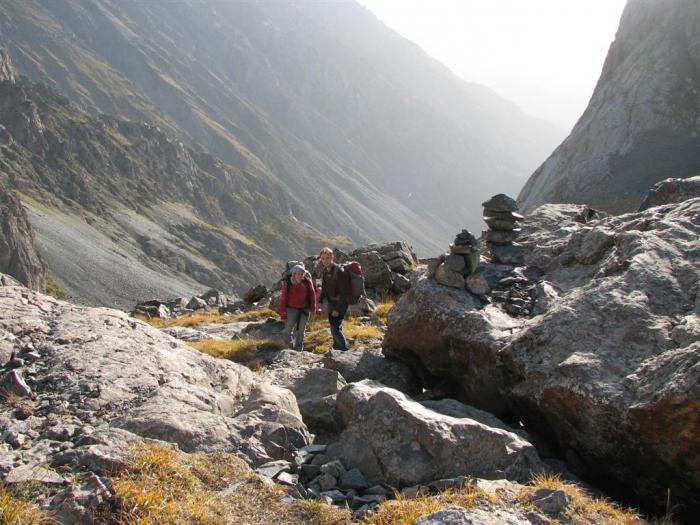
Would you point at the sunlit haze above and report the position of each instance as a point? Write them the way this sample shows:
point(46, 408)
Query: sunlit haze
point(544, 55)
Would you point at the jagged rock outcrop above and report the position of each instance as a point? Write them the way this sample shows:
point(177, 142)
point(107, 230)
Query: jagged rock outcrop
point(90, 384)
point(642, 123)
point(606, 369)
point(18, 254)
point(671, 190)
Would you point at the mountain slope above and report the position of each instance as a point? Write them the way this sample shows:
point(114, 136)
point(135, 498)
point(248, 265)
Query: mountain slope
point(276, 89)
point(124, 212)
point(642, 124)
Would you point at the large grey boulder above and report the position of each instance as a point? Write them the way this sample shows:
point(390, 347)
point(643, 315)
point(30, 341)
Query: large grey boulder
point(315, 387)
point(378, 275)
point(398, 255)
point(609, 366)
point(444, 330)
point(401, 443)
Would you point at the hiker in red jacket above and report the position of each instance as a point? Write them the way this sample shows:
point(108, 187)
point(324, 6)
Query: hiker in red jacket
point(297, 304)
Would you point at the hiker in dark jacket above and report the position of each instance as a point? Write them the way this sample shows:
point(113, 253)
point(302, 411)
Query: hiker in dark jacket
point(297, 304)
point(335, 290)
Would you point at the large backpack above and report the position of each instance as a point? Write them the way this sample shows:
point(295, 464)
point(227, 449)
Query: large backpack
point(287, 273)
point(356, 281)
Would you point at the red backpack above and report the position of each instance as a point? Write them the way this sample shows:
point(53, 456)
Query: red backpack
point(356, 281)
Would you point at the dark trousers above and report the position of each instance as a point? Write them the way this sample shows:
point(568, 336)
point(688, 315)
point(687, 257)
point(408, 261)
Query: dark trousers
point(339, 342)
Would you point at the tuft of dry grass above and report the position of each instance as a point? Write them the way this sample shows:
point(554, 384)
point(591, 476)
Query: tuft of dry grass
point(244, 351)
point(15, 510)
point(381, 314)
point(164, 486)
point(584, 508)
point(209, 317)
point(318, 335)
point(405, 511)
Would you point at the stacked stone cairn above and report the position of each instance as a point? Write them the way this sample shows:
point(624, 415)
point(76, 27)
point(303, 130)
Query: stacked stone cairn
point(501, 217)
point(458, 268)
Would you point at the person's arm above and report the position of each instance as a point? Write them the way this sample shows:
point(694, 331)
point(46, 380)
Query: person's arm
point(312, 298)
point(322, 295)
point(283, 301)
point(343, 284)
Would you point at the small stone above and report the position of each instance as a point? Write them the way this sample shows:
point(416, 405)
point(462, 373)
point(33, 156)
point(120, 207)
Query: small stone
point(310, 471)
point(550, 501)
point(334, 495)
point(508, 254)
point(285, 478)
point(456, 263)
point(501, 202)
point(38, 473)
point(447, 277)
point(13, 382)
point(326, 481)
point(503, 215)
point(334, 468)
point(353, 479)
point(502, 237)
point(314, 449)
point(273, 468)
point(477, 284)
point(501, 224)
point(377, 490)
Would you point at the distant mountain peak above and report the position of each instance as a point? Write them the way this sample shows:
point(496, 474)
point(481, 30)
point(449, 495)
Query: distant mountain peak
point(642, 123)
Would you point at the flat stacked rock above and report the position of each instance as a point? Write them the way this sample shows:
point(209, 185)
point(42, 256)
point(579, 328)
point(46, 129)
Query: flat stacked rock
point(454, 268)
point(501, 217)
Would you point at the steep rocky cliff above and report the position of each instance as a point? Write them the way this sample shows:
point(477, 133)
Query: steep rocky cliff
point(642, 124)
point(18, 255)
point(361, 128)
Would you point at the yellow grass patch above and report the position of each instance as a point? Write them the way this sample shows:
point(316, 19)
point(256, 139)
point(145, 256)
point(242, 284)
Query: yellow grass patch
point(209, 317)
point(15, 510)
point(382, 311)
point(584, 508)
point(318, 335)
point(406, 511)
point(242, 351)
point(163, 486)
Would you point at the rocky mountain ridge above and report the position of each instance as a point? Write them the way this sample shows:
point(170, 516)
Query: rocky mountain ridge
point(641, 124)
point(155, 216)
point(290, 93)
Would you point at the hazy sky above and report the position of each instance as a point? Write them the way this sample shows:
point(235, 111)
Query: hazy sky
point(545, 55)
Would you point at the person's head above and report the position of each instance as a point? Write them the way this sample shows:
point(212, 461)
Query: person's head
point(326, 257)
point(298, 273)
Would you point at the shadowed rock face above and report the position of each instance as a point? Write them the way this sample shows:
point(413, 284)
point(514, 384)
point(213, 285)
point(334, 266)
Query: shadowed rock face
point(18, 255)
point(609, 369)
point(642, 123)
